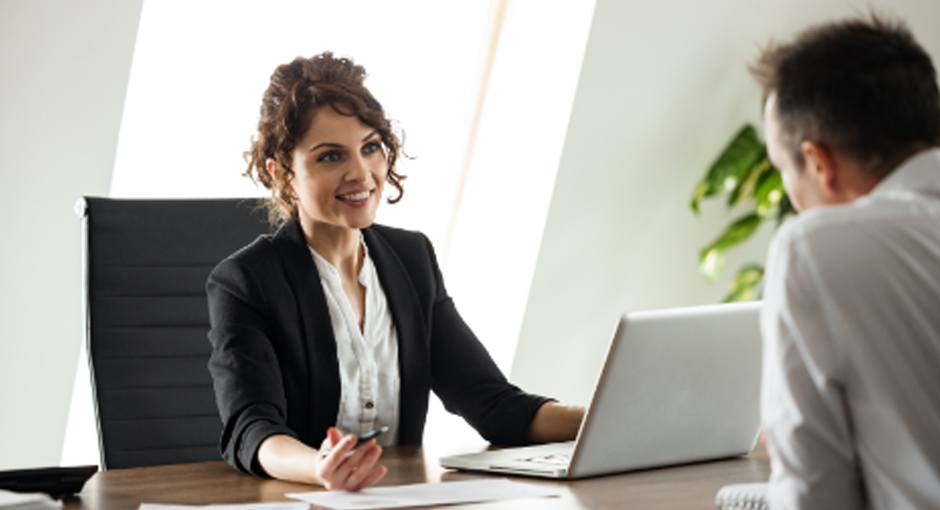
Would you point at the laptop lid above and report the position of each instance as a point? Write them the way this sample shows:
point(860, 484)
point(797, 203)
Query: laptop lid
point(678, 385)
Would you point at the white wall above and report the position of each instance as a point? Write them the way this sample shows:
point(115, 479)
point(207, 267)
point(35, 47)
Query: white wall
point(663, 87)
point(63, 74)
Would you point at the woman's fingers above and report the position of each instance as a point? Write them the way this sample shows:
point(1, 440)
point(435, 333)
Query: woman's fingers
point(374, 476)
point(346, 466)
point(334, 435)
point(364, 467)
point(354, 461)
point(335, 456)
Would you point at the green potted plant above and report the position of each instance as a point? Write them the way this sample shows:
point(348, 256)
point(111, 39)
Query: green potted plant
point(744, 176)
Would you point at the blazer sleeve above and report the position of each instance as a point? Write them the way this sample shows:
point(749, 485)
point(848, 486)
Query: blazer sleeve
point(245, 371)
point(467, 380)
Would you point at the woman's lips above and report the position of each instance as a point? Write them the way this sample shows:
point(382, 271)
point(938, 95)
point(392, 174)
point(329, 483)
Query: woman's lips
point(356, 198)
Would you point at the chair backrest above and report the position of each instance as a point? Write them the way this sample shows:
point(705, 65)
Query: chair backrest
point(146, 264)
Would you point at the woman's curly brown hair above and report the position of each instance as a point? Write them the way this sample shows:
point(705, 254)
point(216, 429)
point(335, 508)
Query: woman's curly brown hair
point(296, 91)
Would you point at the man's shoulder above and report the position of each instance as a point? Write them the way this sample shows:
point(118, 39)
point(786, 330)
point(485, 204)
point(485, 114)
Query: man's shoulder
point(849, 243)
point(818, 241)
point(811, 226)
point(831, 226)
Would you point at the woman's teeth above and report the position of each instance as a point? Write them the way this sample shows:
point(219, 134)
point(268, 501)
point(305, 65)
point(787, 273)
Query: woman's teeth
point(355, 197)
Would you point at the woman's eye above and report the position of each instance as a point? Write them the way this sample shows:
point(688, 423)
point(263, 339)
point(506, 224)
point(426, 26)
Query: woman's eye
point(329, 157)
point(371, 147)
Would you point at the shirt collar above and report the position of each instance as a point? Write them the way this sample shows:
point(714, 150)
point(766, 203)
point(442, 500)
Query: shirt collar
point(918, 174)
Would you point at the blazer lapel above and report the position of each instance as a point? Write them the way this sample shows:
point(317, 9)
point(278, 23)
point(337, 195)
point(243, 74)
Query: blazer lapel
point(410, 323)
point(320, 344)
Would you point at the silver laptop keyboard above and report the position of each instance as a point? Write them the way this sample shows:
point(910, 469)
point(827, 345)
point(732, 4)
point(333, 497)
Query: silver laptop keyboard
point(552, 459)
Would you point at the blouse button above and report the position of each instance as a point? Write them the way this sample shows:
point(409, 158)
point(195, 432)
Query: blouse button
point(370, 404)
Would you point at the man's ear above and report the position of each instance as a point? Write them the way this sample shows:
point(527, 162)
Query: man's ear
point(822, 166)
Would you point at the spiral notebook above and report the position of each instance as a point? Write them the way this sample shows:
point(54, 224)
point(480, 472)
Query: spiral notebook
point(742, 496)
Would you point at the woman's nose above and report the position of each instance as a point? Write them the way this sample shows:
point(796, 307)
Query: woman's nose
point(359, 170)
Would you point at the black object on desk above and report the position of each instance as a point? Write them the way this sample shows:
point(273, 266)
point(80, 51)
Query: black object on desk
point(58, 482)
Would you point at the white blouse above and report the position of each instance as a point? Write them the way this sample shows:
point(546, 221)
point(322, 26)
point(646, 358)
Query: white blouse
point(368, 359)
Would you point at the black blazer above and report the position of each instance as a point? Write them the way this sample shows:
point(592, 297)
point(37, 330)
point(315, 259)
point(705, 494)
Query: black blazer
point(274, 365)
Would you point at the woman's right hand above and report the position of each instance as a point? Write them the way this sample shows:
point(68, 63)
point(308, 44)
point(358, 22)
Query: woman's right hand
point(343, 466)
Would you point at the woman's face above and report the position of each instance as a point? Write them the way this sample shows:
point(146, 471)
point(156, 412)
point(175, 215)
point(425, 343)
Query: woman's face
point(339, 171)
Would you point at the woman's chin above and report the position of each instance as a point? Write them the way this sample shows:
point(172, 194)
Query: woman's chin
point(359, 221)
point(357, 214)
point(362, 225)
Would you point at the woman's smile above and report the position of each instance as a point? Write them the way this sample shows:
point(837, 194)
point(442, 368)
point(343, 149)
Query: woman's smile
point(356, 198)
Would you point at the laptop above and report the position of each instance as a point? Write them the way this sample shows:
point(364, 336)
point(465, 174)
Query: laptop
point(679, 385)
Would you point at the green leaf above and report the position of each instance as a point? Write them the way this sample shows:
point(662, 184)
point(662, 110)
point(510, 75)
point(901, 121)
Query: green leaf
point(747, 185)
point(736, 161)
point(710, 257)
point(710, 263)
point(769, 193)
point(746, 284)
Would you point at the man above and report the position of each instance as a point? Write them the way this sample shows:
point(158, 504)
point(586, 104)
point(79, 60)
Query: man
point(851, 320)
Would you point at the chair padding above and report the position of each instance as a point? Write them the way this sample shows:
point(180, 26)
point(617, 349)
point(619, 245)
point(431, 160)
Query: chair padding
point(146, 266)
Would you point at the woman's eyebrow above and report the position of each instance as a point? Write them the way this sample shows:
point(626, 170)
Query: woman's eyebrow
point(340, 146)
point(325, 144)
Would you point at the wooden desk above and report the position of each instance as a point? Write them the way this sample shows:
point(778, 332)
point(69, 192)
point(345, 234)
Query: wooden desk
point(691, 486)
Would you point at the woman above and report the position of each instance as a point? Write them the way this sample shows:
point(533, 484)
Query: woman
point(334, 323)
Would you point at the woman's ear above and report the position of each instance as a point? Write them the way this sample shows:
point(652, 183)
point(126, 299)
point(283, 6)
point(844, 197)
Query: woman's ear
point(273, 169)
point(279, 176)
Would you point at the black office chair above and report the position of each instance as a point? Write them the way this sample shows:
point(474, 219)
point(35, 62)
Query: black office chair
point(146, 265)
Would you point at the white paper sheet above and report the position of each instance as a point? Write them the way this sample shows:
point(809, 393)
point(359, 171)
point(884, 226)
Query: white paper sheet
point(235, 506)
point(425, 494)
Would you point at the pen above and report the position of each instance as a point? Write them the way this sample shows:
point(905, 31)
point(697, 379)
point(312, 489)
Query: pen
point(372, 434)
